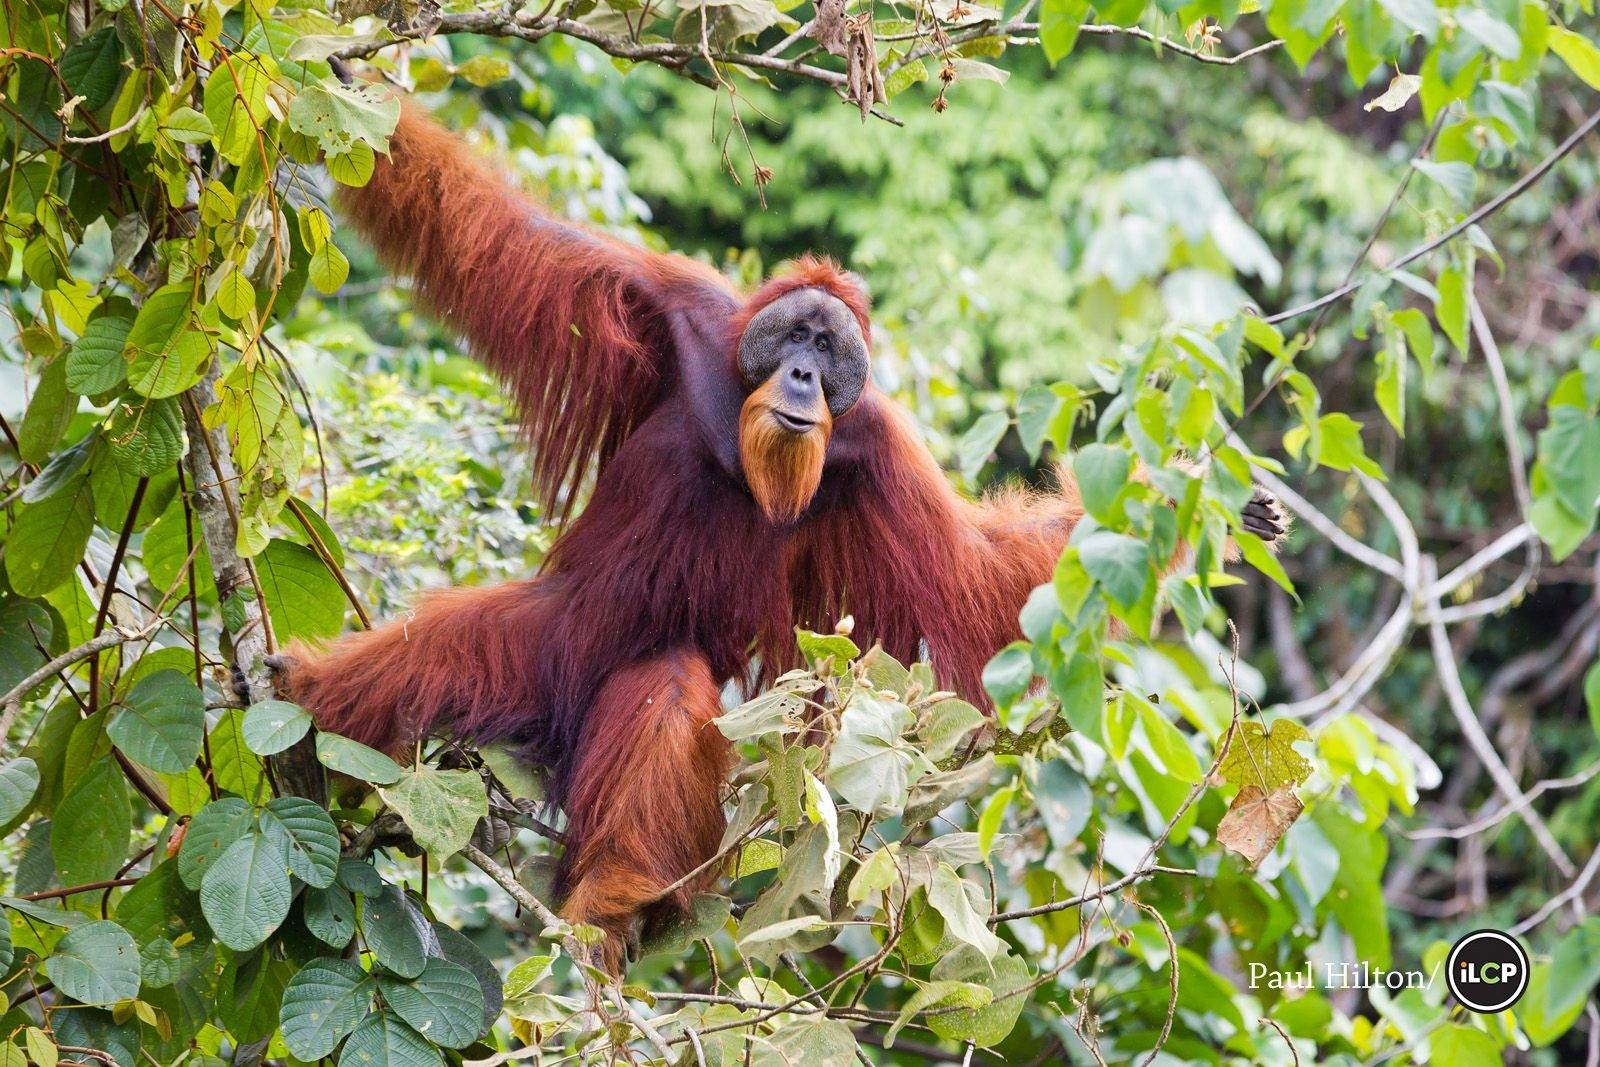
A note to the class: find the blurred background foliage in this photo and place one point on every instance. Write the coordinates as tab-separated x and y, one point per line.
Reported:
1017	240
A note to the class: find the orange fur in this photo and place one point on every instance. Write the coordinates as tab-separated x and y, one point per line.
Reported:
782	468
645	808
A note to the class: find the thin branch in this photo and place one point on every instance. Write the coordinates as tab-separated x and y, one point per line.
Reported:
1104	891
1495	818
1483	748
1522	185
117	635
1570	894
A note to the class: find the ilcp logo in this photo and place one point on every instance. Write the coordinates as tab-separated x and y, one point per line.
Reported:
1486	971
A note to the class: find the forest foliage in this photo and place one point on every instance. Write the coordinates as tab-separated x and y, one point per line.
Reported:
1099	234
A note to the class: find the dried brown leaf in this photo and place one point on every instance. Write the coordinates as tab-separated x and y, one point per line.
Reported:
1257	820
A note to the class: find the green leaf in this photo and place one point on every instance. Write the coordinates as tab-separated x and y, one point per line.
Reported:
339	116
246	893
307	836
1574	969
393	931
330	915
305	600
354	168
1591	696
92	68
1008	675
274	725
164	352
1119	563
1463	1046
1258	555
328	269
870	765
382	1040
218	826
236	297
1499	38
1451	308
355	759
938	995
1567	450
19	780
440	807
1266	758
978	443
95	363
1340	446
460	950
1005	977
47	415
148	438
1059	21
444	1003
96	963
1101	472
92	825
187	125
48	538
1418	15
162	723
321	1004
1455	178
1578	53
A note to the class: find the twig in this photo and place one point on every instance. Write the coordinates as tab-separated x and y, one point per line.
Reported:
109	883
1483	748
1106	890
1522	185
1496	818
1572	893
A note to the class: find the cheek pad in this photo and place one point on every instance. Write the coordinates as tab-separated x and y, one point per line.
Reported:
847	377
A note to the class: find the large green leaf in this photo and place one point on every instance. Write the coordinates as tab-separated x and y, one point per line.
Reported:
307	836
440	807
95	363
96	963
92	825
162	723
322	1004
330	915
384	1040
246	893
48	538
273	725
146	436
341	754
93	66
305	600
211	833
393	931
164	349
1119	563
872	767
444	1003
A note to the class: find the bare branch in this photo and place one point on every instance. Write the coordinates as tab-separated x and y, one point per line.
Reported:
1483	748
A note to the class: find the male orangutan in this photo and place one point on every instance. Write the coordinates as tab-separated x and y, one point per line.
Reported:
750	478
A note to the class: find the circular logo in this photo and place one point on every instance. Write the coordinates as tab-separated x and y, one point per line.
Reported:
1486	971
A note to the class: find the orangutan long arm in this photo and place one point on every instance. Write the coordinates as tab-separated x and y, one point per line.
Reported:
572	320
461	659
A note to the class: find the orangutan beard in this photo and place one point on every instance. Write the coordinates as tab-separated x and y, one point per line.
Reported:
782	468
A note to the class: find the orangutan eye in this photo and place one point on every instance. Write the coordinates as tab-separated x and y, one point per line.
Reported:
822	343
797	335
